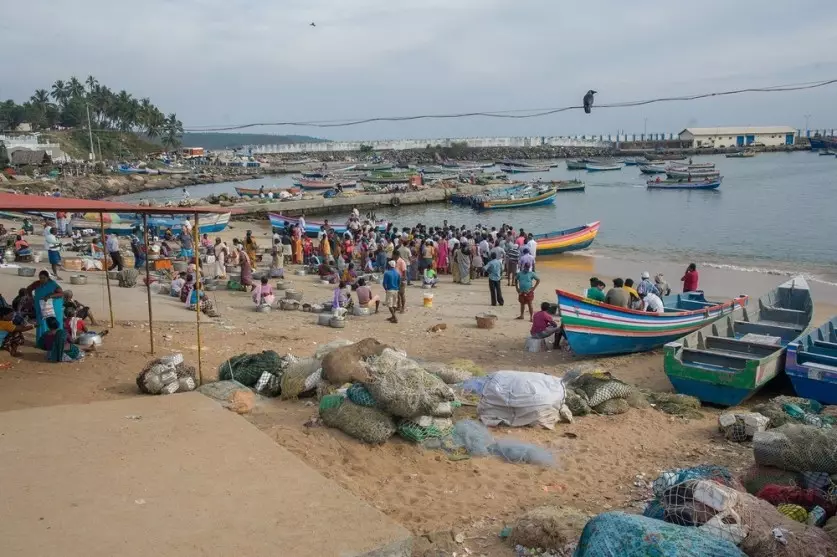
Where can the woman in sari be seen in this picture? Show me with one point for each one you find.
(464, 263)
(307, 250)
(277, 260)
(54, 342)
(49, 301)
(263, 293)
(250, 247)
(234, 259)
(206, 305)
(187, 287)
(454, 268)
(11, 333)
(221, 252)
(22, 248)
(246, 267)
(442, 256)
(297, 245)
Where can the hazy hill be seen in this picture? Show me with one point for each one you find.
(235, 140)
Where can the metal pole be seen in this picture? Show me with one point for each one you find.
(148, 283)
(105, 261)
(195, 244)
(90, 132)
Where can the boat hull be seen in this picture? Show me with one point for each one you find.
(677, 185)
(811, 364)
(595, 328)
(603, 167)
(576, 165)
(320, 185)
(687, 174)
(537, 201)
(523, 169)
(255, 192)
(311, 228)
(652, 169)
(572, 239)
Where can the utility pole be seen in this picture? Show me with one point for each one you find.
(807, 117)
(644, 126)
(90, 132)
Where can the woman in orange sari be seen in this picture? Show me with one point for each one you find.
(297, 244)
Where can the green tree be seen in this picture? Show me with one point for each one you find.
(40, 98)
(172, 132)
(4, 155)
(11, 115)
(91, 83)
(74, 113)
(60, 94)
(74, 87)
(366, 149)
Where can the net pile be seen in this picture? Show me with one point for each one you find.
(370, 425)
(549, 528)
(402, 387)
(599, 392)
(798, 448)
(299, 377)
(448, 373)
(167, 376)
(470, 438)
(127, 278)
(248, 368)
(794, 410)
(684, 406)
(741, 426)
(358, 394)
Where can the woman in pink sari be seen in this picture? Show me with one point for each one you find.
(442, 256)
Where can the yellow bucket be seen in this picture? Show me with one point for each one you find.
(428, 300)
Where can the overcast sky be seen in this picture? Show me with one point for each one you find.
(222, 62)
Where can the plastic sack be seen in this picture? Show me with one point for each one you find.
(519, 398)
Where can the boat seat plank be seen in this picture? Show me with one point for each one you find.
(727, 344)
(821, 351)
(825, 344)
(774, 329)
(806, 357)
(715, 358)
(783, 315)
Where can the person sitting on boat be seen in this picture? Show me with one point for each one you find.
(618, 296)
(645, 285)
(596, 290)
(636, 301)
(544, 326)
(662, 285)
(652, 303)
(22, 249)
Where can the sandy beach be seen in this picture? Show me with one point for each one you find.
(599, 465)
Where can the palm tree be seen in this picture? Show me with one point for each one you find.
(40, 99)
(91, 82)
(154, 123)
(172, 132)
(75, 88)
(125, 111)
(59, 93)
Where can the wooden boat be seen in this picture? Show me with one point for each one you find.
(741, 155)
(602, 167)
(314, 174)
(374, 167)
(324, 184)
(596, 328)
(567, 185)
(571, 239)
(124, 226)
(576, 164)
(811, 363)
(312, 228)
(546, 197)
(633, 161)
(726, 362)
(523, 169)
(255, 192)
(388, 178)
(652, 169)
(684, 184)
(692, 166)
(691, 174)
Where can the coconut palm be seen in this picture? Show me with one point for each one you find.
(40, 98)
(59, 93)
(91, 82)
(74, 87)
(172, 132)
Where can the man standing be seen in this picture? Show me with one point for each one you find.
(53, 246)
(512, 256)
(527, 260)
(401, 268)
(112, 247)
(186, 244)
(494, 270)
(392, 287)
(526, 282)
(645, 285)
(532, 246)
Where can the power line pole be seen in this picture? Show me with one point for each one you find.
(90, 132)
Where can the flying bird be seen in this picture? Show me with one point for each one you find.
(588, 101)
(313, 24)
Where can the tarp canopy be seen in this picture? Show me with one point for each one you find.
(42, 203)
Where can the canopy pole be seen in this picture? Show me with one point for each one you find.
(195, 244)
(105, 262)
(148, 283)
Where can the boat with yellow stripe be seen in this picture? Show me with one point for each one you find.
(571, 239)
(543, 196)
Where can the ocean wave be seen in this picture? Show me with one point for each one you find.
(766, 271)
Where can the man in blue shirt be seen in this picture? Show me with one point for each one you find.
(391, 284)
(494, 270)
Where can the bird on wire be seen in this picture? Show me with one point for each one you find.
(588, 101)
(313, 24)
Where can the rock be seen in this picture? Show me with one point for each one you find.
(438, 327)
(552, 528)
(242, 402)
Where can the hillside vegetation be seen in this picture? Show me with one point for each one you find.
(211, 140)
(114, 145)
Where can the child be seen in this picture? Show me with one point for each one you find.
(177, 284)
(429, 278)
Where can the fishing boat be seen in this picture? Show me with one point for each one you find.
(374, 167)
(576, 164)
(821, 142)
(571, 239)
(125, 225)
(312, 228)
(652, 169)
(596, 328)
(811, 363)
(726, 362)
(389, 178)
(633, 161)
(741, 155)
(826, 153)
(691, 174)
(566, 185)
(540, 197)
(256, 192)
(602, 166)
(523, 169)
(684, 184)
(314, 174)
(692, 166)
(324, 184)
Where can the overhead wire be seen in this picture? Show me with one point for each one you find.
(516, 114)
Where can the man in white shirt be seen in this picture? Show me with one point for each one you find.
(651, 302)
(302, 223)
(484, 248)
(532, 246)
(112, 247)
(53, 250)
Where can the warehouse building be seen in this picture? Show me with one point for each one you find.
(720, 138)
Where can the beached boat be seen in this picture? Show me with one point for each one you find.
(537, 199)
(726, 362)
(571, 239)
(602, 166)
(595, 328)
(576, 164)
(125, 225)
(685, 184)
(324, 184)
(523, 169)
(692, 174)
(741, 155)
(312, 228)
(826, 153)
(255, 192)
(811, 363)
(652, 169)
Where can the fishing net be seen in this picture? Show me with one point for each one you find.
(600, 387)
(160, 376)
(471, 436)
(424, 427)
(468, 366)
(300, 376)
(330, 402)
(794, 410)
(576, 401)
(684, 406)
(741, 426)
(248, 368)
(654, 509)
(518, 452)
(402, 387)
(757, 477)
(449, 374)
(830, 528)
(551, 528)
(616, 534)
(346, 364)
(127, 278)
(324, 350)
(358, 394)
(369, 425)
(799, 448)
(613, 406)
(806, 498)
(671, 478)
(794, 512)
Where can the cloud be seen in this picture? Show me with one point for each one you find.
(221, 62)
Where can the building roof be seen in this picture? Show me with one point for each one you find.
(28, 157)
(740, 130)
(42, 203)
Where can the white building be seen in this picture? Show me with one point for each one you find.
(768, 136)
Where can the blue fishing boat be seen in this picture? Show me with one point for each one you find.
(314, 174)
(312, 228)
(603, 166)
(595, 328)
(576, 164)
(811, 363)
(539, 198)
(728, 361)
(652, 168)
(681, 184)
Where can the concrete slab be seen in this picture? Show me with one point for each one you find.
(171, 476)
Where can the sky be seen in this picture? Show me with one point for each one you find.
(220, 63)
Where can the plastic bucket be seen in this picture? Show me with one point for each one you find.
(428, 300)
